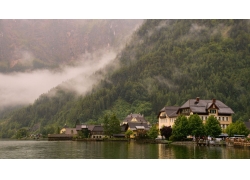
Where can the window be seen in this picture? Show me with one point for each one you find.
(212, 111)
(226, 118)
(185, 111)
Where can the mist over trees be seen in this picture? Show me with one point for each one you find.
(165, 63)
(37, 55)
(50, 43)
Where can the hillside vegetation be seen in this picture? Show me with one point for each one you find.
(50, 43)
(167, 62)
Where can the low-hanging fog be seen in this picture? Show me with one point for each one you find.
(29, 48)
(23, 88)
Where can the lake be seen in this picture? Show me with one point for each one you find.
(18, 149)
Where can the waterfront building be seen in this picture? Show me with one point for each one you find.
(204, 108)
(136, 123)
(167, 116)
(135, 118)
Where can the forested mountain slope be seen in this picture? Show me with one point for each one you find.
(49, 43)
(38, 54)
(166, 63)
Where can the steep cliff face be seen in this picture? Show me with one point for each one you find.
(35, 44)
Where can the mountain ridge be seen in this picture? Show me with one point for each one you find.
(165, 63)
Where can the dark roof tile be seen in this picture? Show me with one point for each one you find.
(202, 105)
(171, 111)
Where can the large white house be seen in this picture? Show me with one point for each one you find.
(204, 108)
(167, 116)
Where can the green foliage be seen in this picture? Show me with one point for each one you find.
(165, 63)
(196, 126)
(48, 130)
(52, 43)
(21, 133)
(58, 130)
(153, 132)
(180, 129)
(166, 131)
(111, 125)
(212, 126)
(84, 133)
(238, 128)
(128, 133)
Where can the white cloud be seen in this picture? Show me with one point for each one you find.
(24, 87)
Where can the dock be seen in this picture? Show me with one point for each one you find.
(238, 142)
(210, 143)
(228, 142)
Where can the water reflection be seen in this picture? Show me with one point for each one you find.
(202, 152)
(114, 150)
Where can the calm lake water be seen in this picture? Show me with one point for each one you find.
(11, 149)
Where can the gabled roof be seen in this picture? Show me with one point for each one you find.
(90, 127)
(98, 128)
(81, 126)
(124, 127)
(135, 118)
(201, 106)
(171, 111)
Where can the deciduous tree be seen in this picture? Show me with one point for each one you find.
(237, 128)
(196, 126)
(166, 131)
(212, 126)
(181, 128)
(153, 132)
(111, 125)
(128, 133)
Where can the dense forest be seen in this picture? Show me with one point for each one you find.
(166, 63)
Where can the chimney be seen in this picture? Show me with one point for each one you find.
(197, 99)
(214, 100)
